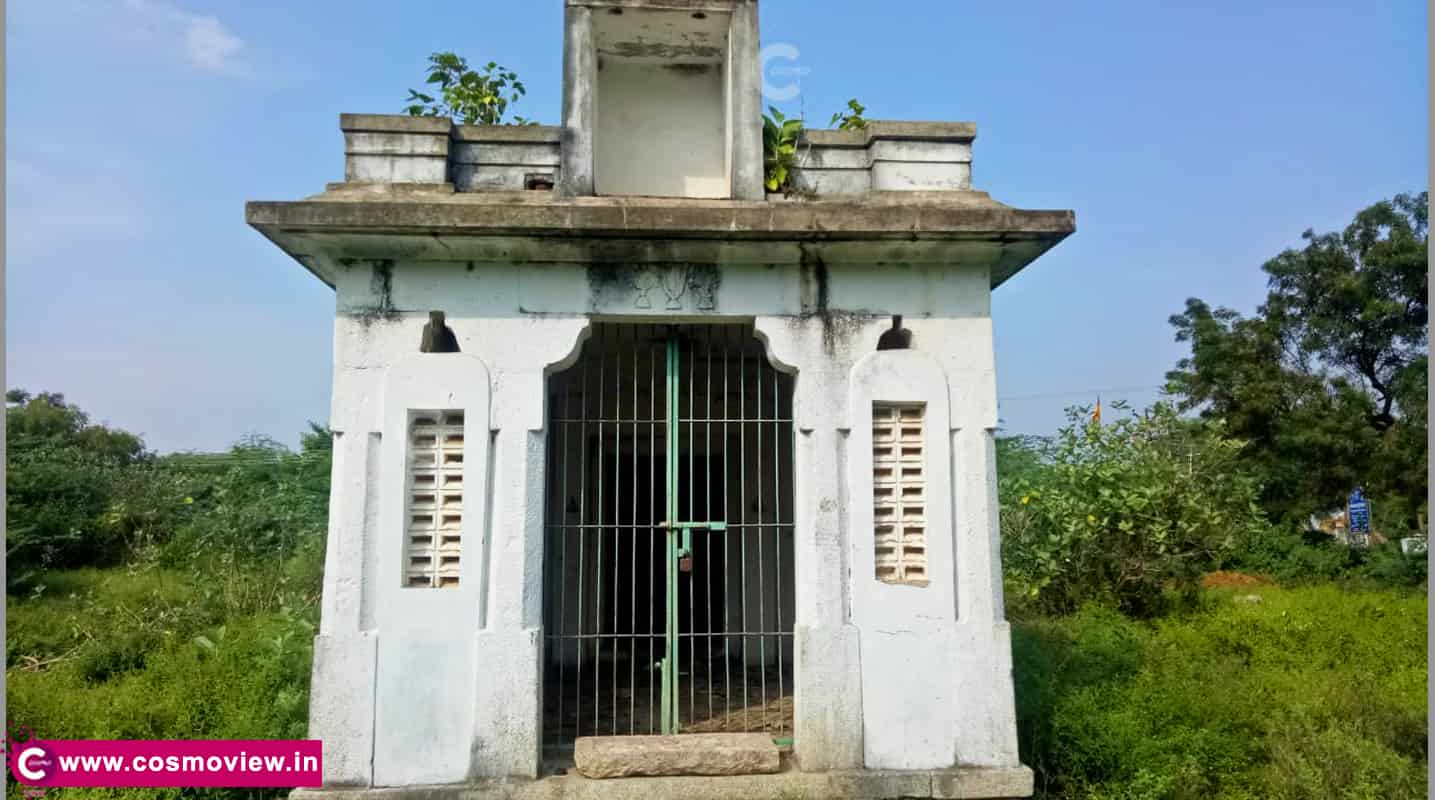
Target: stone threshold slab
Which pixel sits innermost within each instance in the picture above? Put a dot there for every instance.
(967, 783)
(662, 756)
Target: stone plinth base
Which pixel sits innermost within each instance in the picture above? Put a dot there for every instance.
(653, 756)
(974, 783)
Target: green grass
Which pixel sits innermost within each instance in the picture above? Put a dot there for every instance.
(152, 654)
(1312, 692)
(1309, 692)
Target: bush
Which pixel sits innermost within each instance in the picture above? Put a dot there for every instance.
(81, 494)
(60, 473)
(1292, 557)
(1310, 692)
(1121, 511)
(1313, 557)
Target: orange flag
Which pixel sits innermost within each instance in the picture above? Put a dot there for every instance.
(1096, 415)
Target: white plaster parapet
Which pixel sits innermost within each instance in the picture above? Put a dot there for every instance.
(886, 157)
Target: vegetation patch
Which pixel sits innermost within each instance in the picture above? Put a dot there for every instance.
(1313, 692)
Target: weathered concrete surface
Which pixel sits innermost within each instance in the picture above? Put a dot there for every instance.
(878, 229)
(342, 706)
(909, 716)
(472, 654)
(661, 129)
(819, 221)
(500, 158)
(395, 123)
(828, 717)
(393, 149)
(512, 134)
(580, 72)
(878, 129)
(721, 6)
(958, 784)
(745, 103)
(887, 157)
(413, 689)
(656, 756)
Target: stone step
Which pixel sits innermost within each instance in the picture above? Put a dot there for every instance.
(695, 754)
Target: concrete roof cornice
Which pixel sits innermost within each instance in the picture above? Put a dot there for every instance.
(435, 223)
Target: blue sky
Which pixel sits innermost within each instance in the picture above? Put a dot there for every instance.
(1193, 141)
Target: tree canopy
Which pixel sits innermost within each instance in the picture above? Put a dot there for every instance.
(1328, 382)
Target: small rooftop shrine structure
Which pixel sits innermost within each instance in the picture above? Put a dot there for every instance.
(626, 446)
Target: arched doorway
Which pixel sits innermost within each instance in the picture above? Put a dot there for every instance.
(668, 575)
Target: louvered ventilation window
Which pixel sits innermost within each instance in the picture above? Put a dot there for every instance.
(899, 488)
(435, 500)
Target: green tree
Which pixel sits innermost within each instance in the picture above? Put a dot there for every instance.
(1327, 382)
(61, 471)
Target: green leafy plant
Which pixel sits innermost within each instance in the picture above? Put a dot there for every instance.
(1121, 511)
(780, 136)
(470, 97)
(851, 119)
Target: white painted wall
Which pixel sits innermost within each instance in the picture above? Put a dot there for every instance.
(906, 630)
(661, 130)
(459, 683)
(424, 699)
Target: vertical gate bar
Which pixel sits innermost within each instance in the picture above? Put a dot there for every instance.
(633, 580)
(726, 561)
(777, 463)
(617, 525)
(692, 514)
(761, 572)
(674, 602)
(598, 559)
(742, 505)
(708, 512)
(582, 540)
(565, 383)
(652, 518)
(680, 514)
(669, 644)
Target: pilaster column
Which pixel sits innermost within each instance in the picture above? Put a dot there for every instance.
(746, 102)
(580, 76)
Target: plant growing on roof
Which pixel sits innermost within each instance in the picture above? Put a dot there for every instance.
(851, 119)
(779, 148)
(470, 97)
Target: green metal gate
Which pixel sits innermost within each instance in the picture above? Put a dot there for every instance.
(668, 578)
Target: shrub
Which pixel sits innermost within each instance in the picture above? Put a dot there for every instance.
(1120, 511)
(1310, 692)
(200, 624)
(468, 96)
(1386, 564)
(1312, 557)
(60, 473)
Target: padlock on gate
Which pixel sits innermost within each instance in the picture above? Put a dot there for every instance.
(685, 564)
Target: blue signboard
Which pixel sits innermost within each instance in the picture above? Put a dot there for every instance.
(1359, 512)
